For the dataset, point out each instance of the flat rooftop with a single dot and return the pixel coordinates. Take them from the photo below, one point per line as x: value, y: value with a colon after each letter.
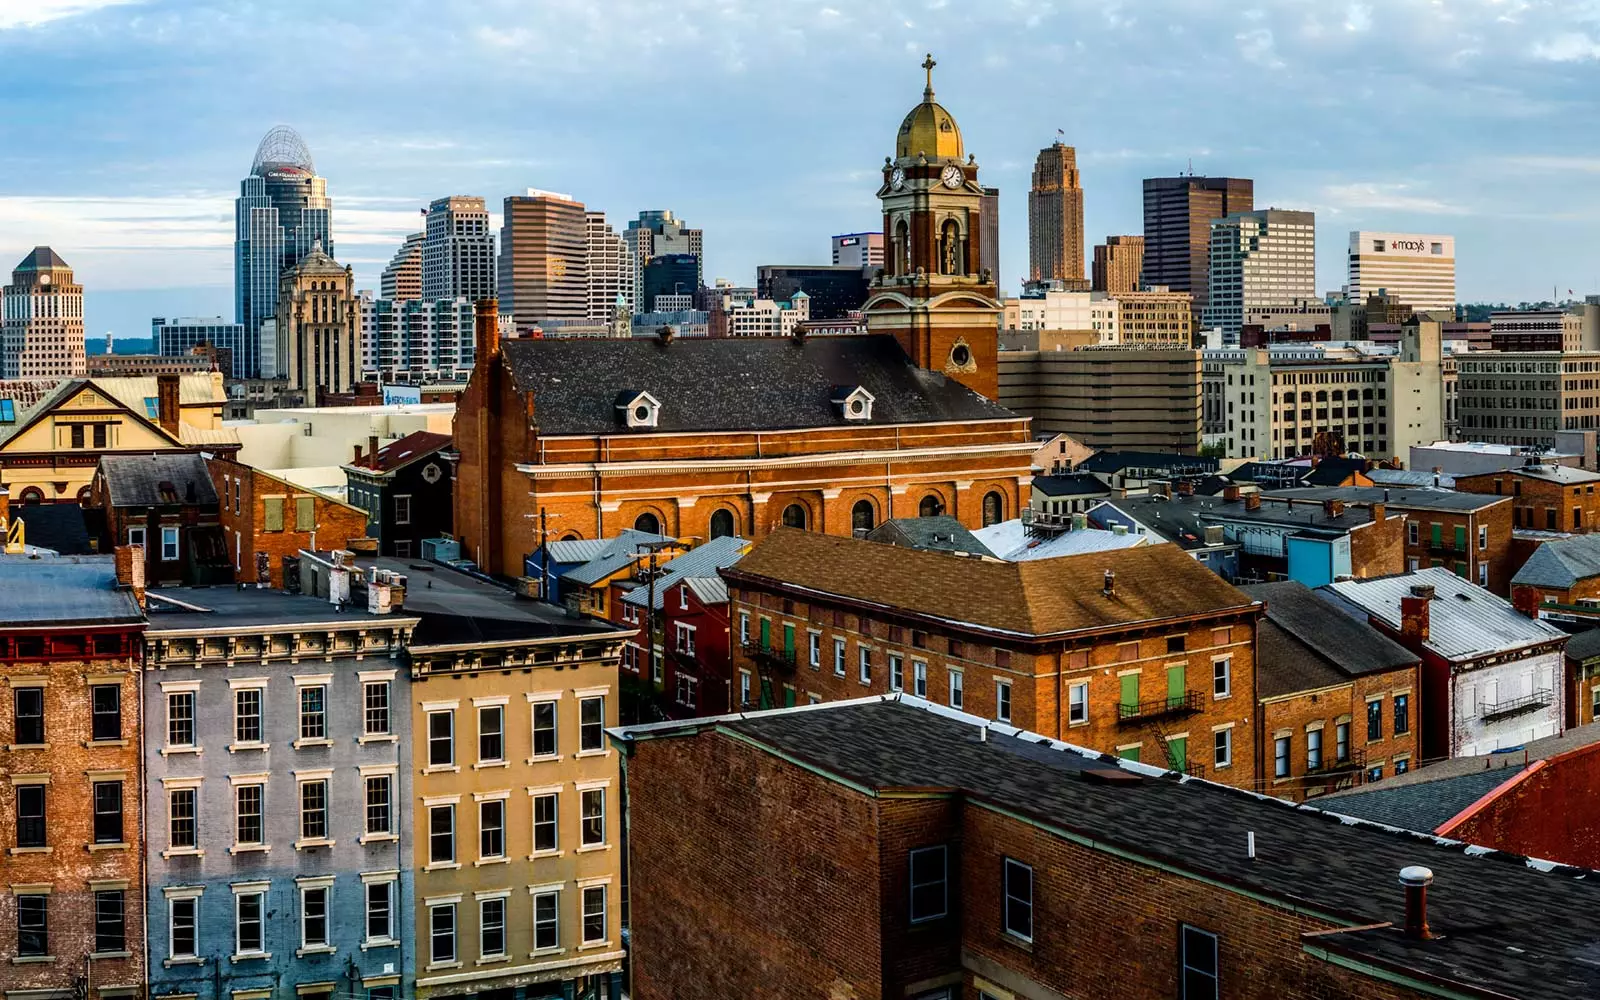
x: 62, y: 590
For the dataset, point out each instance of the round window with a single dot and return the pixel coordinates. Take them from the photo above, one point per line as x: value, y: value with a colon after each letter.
x: 641, y: 413
x: 855, y: 406
x: 961, y: 355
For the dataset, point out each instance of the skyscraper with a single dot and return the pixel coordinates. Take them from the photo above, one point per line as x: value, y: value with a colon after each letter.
x: 1258, y: 259
x: 858, y: 250
x: 610, y: 270
x: 41, y: 334
x: 1178, y: 212
x: 402, y: 279
x: 989, y: 235
x: 1055, y: 216
x: 544, y: 258
x: 318, y: 326
x: 1417, y: 269
x: 282, y: 210
x: 656, y: 233
x: 1117, y: 263
x: 458, y: 251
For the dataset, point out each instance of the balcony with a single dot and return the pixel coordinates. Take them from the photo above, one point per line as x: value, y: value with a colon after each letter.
x: 771, y: 657
x: 1187, y: 703
x: 1333, y: 767
x: 1522, y: 705
x: 686, y: 660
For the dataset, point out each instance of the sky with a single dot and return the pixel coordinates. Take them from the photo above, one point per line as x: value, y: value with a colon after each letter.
x: 126, y: 125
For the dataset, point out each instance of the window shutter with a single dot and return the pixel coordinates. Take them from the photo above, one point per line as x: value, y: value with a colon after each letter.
x: 305, y: 514
x: 274, y: 513
x: 1130, y: 690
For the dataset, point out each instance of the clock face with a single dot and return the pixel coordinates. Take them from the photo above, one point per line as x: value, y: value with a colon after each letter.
x: 952, y: 177
x: 897, y: 179
x: 44, y: 279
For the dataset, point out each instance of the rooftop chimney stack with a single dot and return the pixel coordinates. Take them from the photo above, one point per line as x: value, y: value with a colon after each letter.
x: 1230, y: 492
x: 1414, y: 614
x: 167, y: 403
x: 486, y: 319
x: 1416, y: 880
x: 372, y: 451
x: 1252, y: 501
x: 1111, y: 583
x: 129, y: 560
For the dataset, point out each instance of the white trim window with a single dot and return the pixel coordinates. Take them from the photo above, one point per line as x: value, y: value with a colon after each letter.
x: 1002, y: 701
x: 897, y: 672
x: 814, y: 648
x: 1078, y: 703
x: 380, y: 911
x: 182, y: 833
x: 592, y: 822
x: 592, y: 725
x: 492, y: 927
x: 744, y: 628
x: 1016, y: 891
x: 169, y: 543
x: 547, y: 920
x: 594, y: 914
x: 492, y: 830
x: 441, y: 834
x: 685, y: 640
x: 1222, y: 747
x: 1222, y: 677
x: 248, y: 725
x: 957, y: 688
x: 136, y: 536
x: 1483, y: 537
x: 183, y: 927
x: 546, y: 741
x: 249, y: 935
x: 314, y: 809
x: 375, y: 708
x: 930, y: 883
x: 744, y: 687
x: 491, y: 734
x: 919, y: 678
x: 380, y: 804
x: 838, y: 657
x: 180, y: 719
x: 546, y: 828
x: 442, y: 738
x: 313, y: 712
x: 864, y: 658
x: 441, y: 934
x: 248, y: 826
x: 314, y: 908
x: 402, y: 509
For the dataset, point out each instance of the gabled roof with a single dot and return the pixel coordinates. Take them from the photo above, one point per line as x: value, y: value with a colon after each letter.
x: 1425, y: 805
x: 1011, y: 541
x: 941, y: 533
x: 1561, y: 563
x: 1033, y: 598
x: 619, y: 553
x: 1464, y: 621
x: 1076, y: 484
x: 743, y: 383
x: 1584, y: 645
x: 1305, y: 644
x: 693, y: 569
x: 156, y: 480
x: 132, y: 392
x: 1334, y: 471
x: 397, y: 455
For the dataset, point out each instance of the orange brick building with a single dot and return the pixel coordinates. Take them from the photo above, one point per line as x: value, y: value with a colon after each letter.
x: 265, y: 518
x: 1543, y: 497
x: 1338, y: 698
x: 1140, y: 652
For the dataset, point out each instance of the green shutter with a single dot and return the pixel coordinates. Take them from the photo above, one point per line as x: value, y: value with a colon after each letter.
x: 1461, y: 570
x: 1178, y: 752
x: 1461, y: 538
x: 274, y: 513
x: 766, y: 693
x: 305, y: 514
x: 1132, y: 753
x: 1438, y: 534
x: 788, y: 696
x: 1130, y: 691
x: 766, y: 634
x: 1176, y: 688
x: 788, y: 640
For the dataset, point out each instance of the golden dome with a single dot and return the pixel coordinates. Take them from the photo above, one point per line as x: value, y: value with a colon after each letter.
x: 929, y: 129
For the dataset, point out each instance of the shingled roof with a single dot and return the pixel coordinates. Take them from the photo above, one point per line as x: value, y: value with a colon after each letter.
x: 1306, y: 644
x: 397, y: 455
x: 152, y: 480
x: 1561, y: 563
x: 1034, y: 598
x: 744, y: 383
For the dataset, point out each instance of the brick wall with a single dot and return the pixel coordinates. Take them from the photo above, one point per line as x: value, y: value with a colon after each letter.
x: 1549, y: 811
x: 1378, y: 549
x: 1298, y: 715
x: 244, y: 492
x: 1538, y: 503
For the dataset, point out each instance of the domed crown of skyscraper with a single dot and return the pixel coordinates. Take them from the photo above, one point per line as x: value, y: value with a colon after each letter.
x: 282, y: 149
x: 929, y: 129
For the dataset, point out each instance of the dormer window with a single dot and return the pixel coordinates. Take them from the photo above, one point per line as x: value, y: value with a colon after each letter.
x: 638, y: 409
x: 854, y: 402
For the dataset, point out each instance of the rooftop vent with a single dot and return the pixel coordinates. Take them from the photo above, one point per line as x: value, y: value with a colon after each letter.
x: 1423, y: 590
x: 1416, y: 880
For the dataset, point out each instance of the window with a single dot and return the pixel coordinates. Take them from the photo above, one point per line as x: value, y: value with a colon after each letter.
x: 593, y: 817
x: 492, y: 927
x: 864, y: 665
x: 442, y: 933
x: 314, y: 810
x: 744, y: 628
x: 1402, y: 714
x: 794, y: 516
x: 247, y: 715
x: 1002, y: 701
x: 492, y: 828
x: 722, y: 524
x: 1483, y: 537
x: 1222, y: 748
x: 441, y: 738
x: 380, y: 911
x: 1017, y: 891
x: 957, y: 691
x: 1341, y: 741
x: 313, y: 712
x: 1177, y: 643
x: 744, y: 687
x: 929, y: 884
x: 402, y: 510
x: 314, y: 917
x: 1375, y: 773
x: 136, y: 536
x: 1280, y: 757
x: 29, y: 715
x: 1402, y: 765
x: 546, y: 921
x: 1197, y: 960
x: 110, y: 925
x: 375, y: 708
x: 919, y: 679
x: 685, y: 638
x: 594, y: 914
x: 247, y: 814
x: 169, y: 543
x: 544, y: 823
x: 108, y: 812
x: 272, y: 513
x: 380, y: 809
x: 441, y: 834
x: 33, y: 925
x: 491, y: 733
x: 897, y: 672
x: 30, y: 816
x: 247, y: 937
x: 1375, y: 719
x: 814, y: 648
x: 838, y: 657
x: 1078, y: 703
x: 77, y: 435
x: 591, y: 725
x: 1483, y: 574
x: 106, y: 710
x: 1313, y: 749
x: 181, y: 831
x: 183, y: 927
x: 1222, y: 677
x: 544, y: 729
x: 1412, y: 533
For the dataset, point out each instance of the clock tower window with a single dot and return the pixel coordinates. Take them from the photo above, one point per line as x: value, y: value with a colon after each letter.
x: 951, y: 256
x: 902, y: 248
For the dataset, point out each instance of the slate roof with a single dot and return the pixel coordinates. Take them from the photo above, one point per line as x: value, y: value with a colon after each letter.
x: 1032, y: 598
x: 941, y: 533
x: 1424, y: 805
x: 58, y: 527
x: 1176, y: 521
x: 741, y: 383
x: 1491, y: 912
x: 698, y: 564
x: 397, y: 455
x: 63, y: 590
x: 1334, y: 471
x: 1584, y: 646
x: 43, y: 259
x: 1465, y: 621
x: 131, y: 391
x: 619, y: 552
x: 1416, y: 499
x: 1309, y: 518
x: 1076, y: 484
x: 135, y: 480
x: 1561, y: 563
x: 1305, y: 644
x: 1009, y: 540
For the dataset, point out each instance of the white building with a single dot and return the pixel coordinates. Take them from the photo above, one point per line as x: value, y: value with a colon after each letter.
x: 1258, y: 259
x: 610, y: 271
x: 458, y: 250
x: 858, y: 250
x: 748, y: 316
x: 402, y: 279
x: 1419, y: 269
x: 416, y: 341
x: 41, y: 320
x: 1054, y: 310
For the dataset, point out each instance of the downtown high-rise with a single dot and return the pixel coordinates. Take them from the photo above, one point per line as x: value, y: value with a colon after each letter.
x: 458, y: 251
x: 282, y: 211
x: 610, y: 267
x: 1258, y: 260
x: 658, y: 233
x: 41, y: 332
x: 544, y: 259
x: 1178, y: 212
x: 1055, y: 217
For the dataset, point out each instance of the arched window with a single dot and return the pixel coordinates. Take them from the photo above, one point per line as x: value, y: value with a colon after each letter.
x: 794, y: 516
x: 648, y: 523
x: 862, y: 516
x: 994, y: 506
x: 32, y: 495
x: 84, y: 495
x: 722, y: 524
x: 902, y: 248
x: 930, y: 506
x: 951, y: 258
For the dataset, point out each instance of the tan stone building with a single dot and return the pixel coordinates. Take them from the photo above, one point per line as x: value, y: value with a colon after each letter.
x: 41, y: 332
x: 1118, y: 263
x: 319, y: 327
x: 1055, y: 216
x: 1156, y: 318
x: 1116, y: 399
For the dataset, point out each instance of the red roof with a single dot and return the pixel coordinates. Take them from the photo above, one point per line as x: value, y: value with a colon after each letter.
x: 403, y: 452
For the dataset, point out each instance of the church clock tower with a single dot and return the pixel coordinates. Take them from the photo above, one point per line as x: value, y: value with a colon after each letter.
x: 932, y: 296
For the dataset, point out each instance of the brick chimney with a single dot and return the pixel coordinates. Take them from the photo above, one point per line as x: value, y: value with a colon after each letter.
x: 1414, y: 612
x: 167, y: 402
x: 129, y: 561
x: 1380, y: 510
x: 1333, y: 508
x: 1252, y: 501
x: 372, y: 451
x: 1230, y: 492
x: 487, y: 322
x: 1526, y: 600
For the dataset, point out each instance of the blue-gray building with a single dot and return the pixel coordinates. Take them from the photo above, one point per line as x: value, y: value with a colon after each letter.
x: 175, y: 338
x: 278, y: 848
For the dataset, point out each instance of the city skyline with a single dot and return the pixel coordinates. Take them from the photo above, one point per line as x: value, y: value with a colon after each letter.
x: 1377, y: 119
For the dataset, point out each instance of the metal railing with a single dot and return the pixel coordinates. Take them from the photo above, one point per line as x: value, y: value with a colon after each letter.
x: 768, y: 655
x: 1355, y: 761
x: 1530, y: 702
x: 1187, y: 703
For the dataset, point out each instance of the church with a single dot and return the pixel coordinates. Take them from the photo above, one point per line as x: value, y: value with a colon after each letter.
x: 705, y: 437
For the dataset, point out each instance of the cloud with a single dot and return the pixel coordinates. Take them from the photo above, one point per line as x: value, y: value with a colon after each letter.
x: 33, y: 13
x: 1569, y: 46
x: 1368, y: 196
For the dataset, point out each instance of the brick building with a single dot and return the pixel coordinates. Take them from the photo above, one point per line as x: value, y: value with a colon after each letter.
x: 1338, y: 698
x: 932, y: 855
x: 279, y: 519
x: 1139, y: 652
x: 1583, y: 678
x: 1561, y: 580
x: 164, y: 503
x: 405, y: 489
x: 1543, y: 497
x: 70, y: 816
